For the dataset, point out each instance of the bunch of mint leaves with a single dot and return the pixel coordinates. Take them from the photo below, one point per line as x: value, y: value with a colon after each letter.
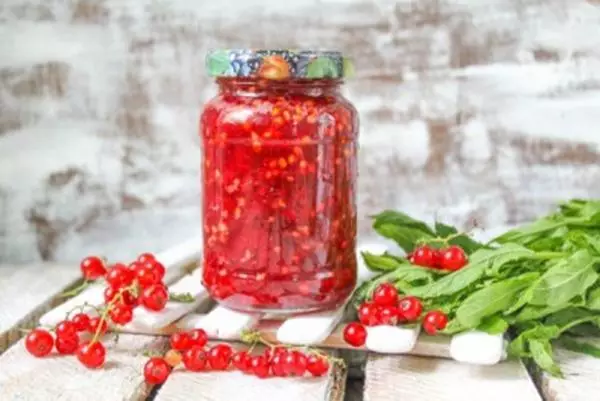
x: 540, y: 282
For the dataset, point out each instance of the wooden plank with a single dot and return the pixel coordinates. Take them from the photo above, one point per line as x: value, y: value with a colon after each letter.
x: 410, y: 378
x: 28, y: 291
x: 25, y: 378
x: 236, y: 386
x: 581, y: 382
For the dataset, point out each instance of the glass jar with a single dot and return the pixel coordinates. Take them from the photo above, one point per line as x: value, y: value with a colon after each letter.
x: 279, y: 177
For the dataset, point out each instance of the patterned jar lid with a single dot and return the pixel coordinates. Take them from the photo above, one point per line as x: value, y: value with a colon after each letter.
x: 278, y: 64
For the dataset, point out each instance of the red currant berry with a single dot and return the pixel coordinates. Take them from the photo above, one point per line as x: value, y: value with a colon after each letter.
x: 424, y: 256
x: 409, y: 309
x: 278, y: 366
x: 147, y: 276
x: 355, y: 334
x: 388, y: 315
x: 294, y: 363
x: 260, y: 366
x: 146, y: 257
x: 109, y: 294
x: 198, y: 337
x: 158, y: 270
x: 180, y: 341
x: 241, y: 361
x: 385, y: 295
x: 81, y: 322
x: 219, y: 356
x: 66, y: 329
x: 368, y: 314
x: 156, y: 371
x: 39, y: 342
x: 154, y: 298
x: 194, y: 359
x: 317, y: 365
x: 98, y: 325
x: 452, y: 258
x: 121, y: 314
x: 434, y: 321
x: 67, y: 345
x: 119, y: 276
x: 91, y: 354
x: 92, y: 268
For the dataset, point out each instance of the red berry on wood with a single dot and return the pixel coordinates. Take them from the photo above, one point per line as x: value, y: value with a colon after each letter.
x: 157, y: 269
x: 92, y: 268
x: 388, y: 315
x: 452, y: 258
x: 424, y: 256
x: 317, y: 365
x: 195, y: 359
x: 180, y: 341
x: 385, y: 295
x: 259, y: 366
x: 67, y: 345
x: 368, y: 314
x: 355, y: 334
x: 409, y: 308
x: 39, y: 342
x: 66, y: 328
x: 154, y: 298
x: 198, y: 337
x: 121, y: 314
x: 81, y: 322
x: 156, y: 371
x: 91, y: 354
x: 147, y: 276
x: 434, y: 321
x: 146, y: 257
x: 96, y: 323
x: 119, y: 276
x: 219, y: 356
x: 241, y: 361
x: 278, y: 366
x: 295, y: 363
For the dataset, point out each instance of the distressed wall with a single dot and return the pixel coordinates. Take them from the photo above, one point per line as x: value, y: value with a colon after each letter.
x: 471, y: 109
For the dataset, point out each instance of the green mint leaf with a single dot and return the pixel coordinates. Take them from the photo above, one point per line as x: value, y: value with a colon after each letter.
x: 468, y: 244
x: 184, y: 297
x: 569, y: 318
x: 492, y: 299
x: 401, y: 219
x: 564, y: 281
x: 541, y: 352
x: 593, y: 299
x: 493, y: 325
x: 380, y: 262
x: 519, y: 347
x: 497, y: 258
x: 405, y: 236
x: 529, y: 232
x: 451, y: 283
x: 531, y: 312
x: 574, y: 345
x: 444, y: 230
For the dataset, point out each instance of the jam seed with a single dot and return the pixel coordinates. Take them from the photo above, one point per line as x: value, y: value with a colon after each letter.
x: 291, y: 159
x: 282, y: 163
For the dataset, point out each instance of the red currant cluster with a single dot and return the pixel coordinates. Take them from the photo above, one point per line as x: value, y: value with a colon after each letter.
x: 189, y: 348
x: 140, y: 283
x: 387, y: 308
x: 451, y: 258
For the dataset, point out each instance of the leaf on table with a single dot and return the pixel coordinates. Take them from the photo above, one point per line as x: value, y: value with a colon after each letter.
x: 451, y: 283
x: 405, y: 236
x: 582, y: 347
x: 380, y: 262
x: 493, y: 325
x: 541, y: 352
x: 492, y: 299
x: 593, y: 299
x: 529, y: 232
x: 564, y: 281
x: 400, y: 219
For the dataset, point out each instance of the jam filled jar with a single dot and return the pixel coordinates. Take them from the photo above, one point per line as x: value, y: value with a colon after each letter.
x: 279, y: 170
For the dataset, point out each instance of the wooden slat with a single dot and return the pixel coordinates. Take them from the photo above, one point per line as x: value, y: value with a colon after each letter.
x: 582, y: 378
x: 236, y: 386
x: 25, y: 378
x: 410, y: 378
x: 28, y: 291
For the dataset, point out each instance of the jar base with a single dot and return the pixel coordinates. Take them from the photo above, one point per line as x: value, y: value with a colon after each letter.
x: 283, y: 311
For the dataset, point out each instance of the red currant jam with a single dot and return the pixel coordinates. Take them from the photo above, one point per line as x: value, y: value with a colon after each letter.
x: 279, y: 184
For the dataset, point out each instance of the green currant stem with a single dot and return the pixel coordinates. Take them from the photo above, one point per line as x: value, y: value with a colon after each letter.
x: 108, y: 308
x: 77, y: 290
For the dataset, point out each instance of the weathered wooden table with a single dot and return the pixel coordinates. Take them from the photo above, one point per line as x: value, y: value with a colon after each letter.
x: 28, y: 291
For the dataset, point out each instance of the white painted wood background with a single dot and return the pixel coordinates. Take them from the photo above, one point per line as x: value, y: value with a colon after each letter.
x: 481, y: 109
